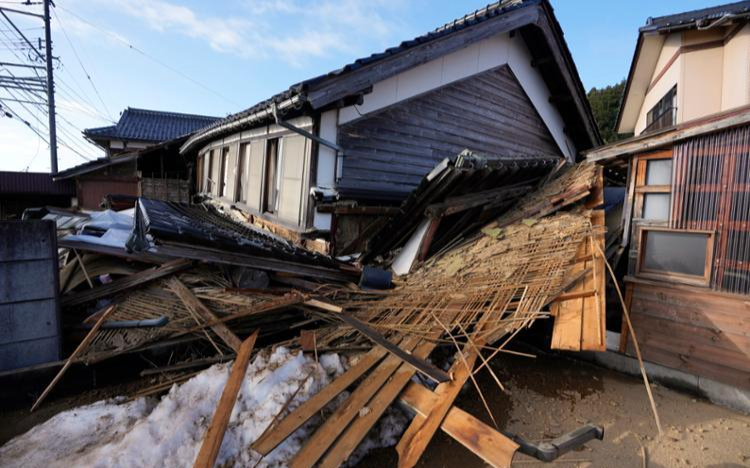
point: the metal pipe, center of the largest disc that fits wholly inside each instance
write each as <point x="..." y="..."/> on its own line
<point x="303" y="132"/>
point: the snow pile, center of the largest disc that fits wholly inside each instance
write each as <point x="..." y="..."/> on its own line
<point x="169" y="433"/>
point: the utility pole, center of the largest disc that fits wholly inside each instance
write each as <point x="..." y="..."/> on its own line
<point x="50" y="90"/>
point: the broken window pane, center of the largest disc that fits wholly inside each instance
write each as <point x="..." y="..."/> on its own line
<point x="656" y="206"/>
<point x="675" y="252"/>
<point x="659" y="172"/>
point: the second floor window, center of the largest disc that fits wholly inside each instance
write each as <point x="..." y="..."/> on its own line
<point x="664" y="113"/>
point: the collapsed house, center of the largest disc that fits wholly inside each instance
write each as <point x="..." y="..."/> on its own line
<point x="334" y="155"/>
<point x="140" y="159"/>
<point x="685" y="237"/>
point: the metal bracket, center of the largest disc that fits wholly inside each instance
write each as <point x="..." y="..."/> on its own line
<point x="552" y="449"/>
<point x="302" y="132"/>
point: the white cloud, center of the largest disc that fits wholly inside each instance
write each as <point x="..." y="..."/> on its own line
<point x="292" y="30"/>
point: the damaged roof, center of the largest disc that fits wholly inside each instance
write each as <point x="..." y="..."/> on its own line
<point x="150" y="125"/>
<point x="312" y="94"/>
<point x="696" y="18"/>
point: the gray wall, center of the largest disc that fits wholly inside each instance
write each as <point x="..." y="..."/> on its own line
<point x="29" y="317"/>
<point x="389" y="151"/>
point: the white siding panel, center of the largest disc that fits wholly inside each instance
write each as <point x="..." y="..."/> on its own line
<point x="293" y="150"/>
<point x="255" y="173"/>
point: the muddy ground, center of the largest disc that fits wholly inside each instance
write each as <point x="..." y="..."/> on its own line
<point x="552" y="395"/>
<point x="545" y="398"/>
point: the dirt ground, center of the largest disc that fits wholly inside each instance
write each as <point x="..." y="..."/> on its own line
<point x="549" y="396"/>
<point x="545" y="398"/>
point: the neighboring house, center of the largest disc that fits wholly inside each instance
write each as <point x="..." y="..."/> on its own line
<point x="686" y="222"/>
<point x="21" y="190"/>
<point x="500" y="82"/>
<point x="139" y="160"/>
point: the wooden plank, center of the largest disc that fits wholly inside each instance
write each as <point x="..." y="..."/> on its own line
<point x="593" y="333"/>
<point x="317" y="444"/>
<point x="483" y="441"/>
<point x="197" y="307"/>
<point x="79" y="349"/>
<point x="358" y="429"/>
<point x="419" y="433"/>
<point x="419" y="364"/>
<point x="128" y="282"/>
<point x="276" y="435"/>
<point x="566" y="332"/>
<point x="215" y="433"/>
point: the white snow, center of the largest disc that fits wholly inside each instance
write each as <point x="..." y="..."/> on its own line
<point x="169" y="432"/>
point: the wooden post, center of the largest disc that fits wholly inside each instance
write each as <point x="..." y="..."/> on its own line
<point x="215" y="434"/>
<point x="194" y="305"/>
<point x="81" y="347"/>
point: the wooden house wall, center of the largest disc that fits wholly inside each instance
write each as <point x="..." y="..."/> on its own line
<point x="692" y="329"/>
<point x="388" y="152"/>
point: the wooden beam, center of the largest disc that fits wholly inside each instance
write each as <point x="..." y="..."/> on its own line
<point x="328" y="434"/>
<point x="79" y="349"/>
<point x="376" y="406"/>
<point x="419" y="433"/>
<point x="128" y="282"/>
<point x="195" y="306"/>
<point x="275" y="435"/>
<point x="421" y="365"/>
<point x="494" y="448"/>
<point x="215" y="433"/>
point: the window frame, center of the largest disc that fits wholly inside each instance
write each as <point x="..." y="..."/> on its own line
<point x="673" y="277"/>
<point x="650" y="120"/>
<point x="271" y="182"/>
<point x="641" y="189"/>
<point x="242" y="172"/>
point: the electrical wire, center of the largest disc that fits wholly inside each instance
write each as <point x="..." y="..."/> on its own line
<point x="151" y="57"/>
<point x="80" y="62"/>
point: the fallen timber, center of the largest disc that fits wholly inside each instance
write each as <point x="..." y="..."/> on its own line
<point x="482" y="288"/>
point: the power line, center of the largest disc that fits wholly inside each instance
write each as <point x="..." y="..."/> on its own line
<point x="80" y="62"/>
<point x="151" y="57"/>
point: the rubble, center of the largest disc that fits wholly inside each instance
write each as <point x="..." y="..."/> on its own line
<point x="506" y="244"/>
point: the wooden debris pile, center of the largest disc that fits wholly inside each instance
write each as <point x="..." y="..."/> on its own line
<point x="495" y="267"/>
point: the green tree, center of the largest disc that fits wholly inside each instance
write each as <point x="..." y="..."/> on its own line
<point x="605" y="104"/>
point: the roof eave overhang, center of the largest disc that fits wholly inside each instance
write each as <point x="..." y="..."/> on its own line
<point x="325" y="93"/>
<point x="651" y="141"/>
<point x="649" y="44"/>
<point x="84" y="169"/>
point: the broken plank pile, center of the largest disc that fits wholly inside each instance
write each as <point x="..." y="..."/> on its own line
<point x="509" y="256"/>
<point x="475" y="297"/>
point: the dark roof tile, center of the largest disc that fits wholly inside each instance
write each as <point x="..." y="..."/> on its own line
<point x="150" y="125"/>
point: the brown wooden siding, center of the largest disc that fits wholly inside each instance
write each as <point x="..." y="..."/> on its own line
<point x="388" y="152"/>
<point x="711" y="186"/>
<point x="693" y="329"/>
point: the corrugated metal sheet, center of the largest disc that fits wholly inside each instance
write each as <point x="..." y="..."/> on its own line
<point x="34" y="183"/>
<point x="711" y="191"/>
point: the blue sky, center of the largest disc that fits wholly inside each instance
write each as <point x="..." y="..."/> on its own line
<point x="242" y="51"/>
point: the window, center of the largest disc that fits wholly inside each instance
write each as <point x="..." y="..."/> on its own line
<point x="654" y="187"/>
<point x="224" y="172"/>
<point x="199" y="174"/>
<point x="240" y="192"/>
<point x="664" y="113"/>
<point x="271" y="177"/>
<point x="674" y="255"/>
<point x="211" y="176"/>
